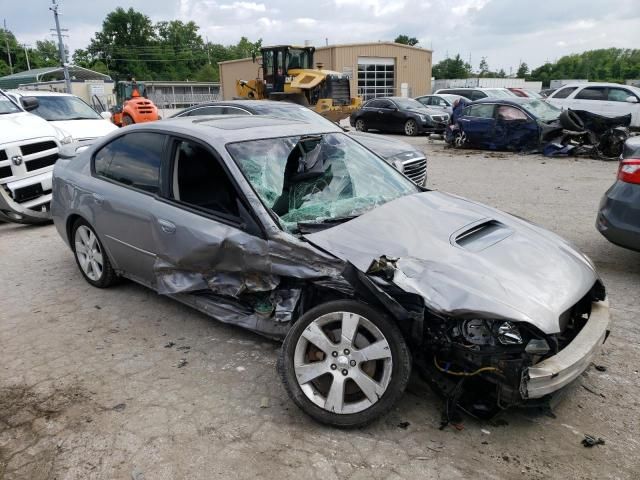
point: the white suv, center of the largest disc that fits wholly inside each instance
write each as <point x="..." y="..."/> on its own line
<point x="29" y="147"/>
<point x="608" y="99"/>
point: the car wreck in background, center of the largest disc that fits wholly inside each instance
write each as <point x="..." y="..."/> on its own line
<point x="532" y="125"/>
<point x="298" y="232"/>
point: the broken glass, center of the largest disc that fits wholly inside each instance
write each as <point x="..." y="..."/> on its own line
<point x="319" y="178"/>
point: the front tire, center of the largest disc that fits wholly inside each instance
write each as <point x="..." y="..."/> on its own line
<point x="127" y="120"/>
<point x="411" y="128"/>
<point x="344" y="363"/>
<point x="360" y="125"/>
<point x="91" y="257"/>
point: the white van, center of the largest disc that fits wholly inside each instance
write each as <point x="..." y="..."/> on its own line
<point x="608" y="99"/>
<point x="29" y="147"/>
<point x="68" y="113"/>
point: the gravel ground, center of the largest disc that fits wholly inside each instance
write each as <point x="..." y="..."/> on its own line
<point x="89" y="388"/>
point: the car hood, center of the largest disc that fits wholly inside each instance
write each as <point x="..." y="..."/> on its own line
<point x="24" y="126"/>
<point x="467" y="260"/>
<point x="85" y="129"/>
<point x="425" y="111"/>
<point x="383" y="146"/>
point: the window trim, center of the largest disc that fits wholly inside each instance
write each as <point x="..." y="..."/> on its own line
<point x="522" y="110"/>
<point x="238" y="222"/>
<point x="94" y="174"/>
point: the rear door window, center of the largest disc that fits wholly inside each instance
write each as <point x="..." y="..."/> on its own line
<point x="592" y="93"/>
<point x="564" y="92"/>
<point x="219" y="110"/>
<point x="483" y="110"/>
<point x="506" y="112"/>
<point x="132" y="160"/>
<point x="619" y="94"/>
<point x="477" y="95"/>
<point x="374" y="104"/>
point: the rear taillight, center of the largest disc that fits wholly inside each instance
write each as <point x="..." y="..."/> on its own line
<point x="629" y="170"/>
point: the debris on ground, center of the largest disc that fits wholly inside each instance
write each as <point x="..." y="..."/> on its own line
<point x="169" y="345"/>
<point x="590" y="441"/>
<point x="404" y="425"/>
<point x="591" y="390"/>
<point x="184" y="348"/>
<point x="264" y="402"/>
<point x="119" y="407"/>
<point x="486" y="432"/>
<point x="600" y="368"/>
<point x="183" y="363"/>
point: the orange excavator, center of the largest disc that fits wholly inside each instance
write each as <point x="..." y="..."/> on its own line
<point x="132" y="106"/>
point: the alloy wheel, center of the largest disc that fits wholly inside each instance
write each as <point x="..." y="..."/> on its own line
<point x="342" y="362"/>
<point x="89" y="253"/>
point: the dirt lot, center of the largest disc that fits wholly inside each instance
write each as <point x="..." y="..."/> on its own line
<point x="89" y="389"/>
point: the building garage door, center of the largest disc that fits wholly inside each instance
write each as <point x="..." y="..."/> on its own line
<point x="376" y="77"/>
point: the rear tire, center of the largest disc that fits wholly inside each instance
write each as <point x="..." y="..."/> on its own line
<point x="410" y="128"/>
<point x="127" y="120"/>
<point x="344" y="363"/>
<point x="91" y="256"/>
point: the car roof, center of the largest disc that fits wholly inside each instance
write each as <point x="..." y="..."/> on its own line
<point x="38" y="93"/>
<point x="597" y="84"/>
<point x="223" y="129"/>
<point x="251" y="105"/>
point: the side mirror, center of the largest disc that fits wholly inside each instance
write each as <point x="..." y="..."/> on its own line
<point x="106" y="115"/>
<point x="29" y="103"/>
<point x="631" y="99"/>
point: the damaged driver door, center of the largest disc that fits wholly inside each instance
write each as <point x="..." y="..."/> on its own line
<point x="203" y="227"/>
<point x="478" y="123"/>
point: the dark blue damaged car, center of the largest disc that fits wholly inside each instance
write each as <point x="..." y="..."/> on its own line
<point x="502" y="124"/>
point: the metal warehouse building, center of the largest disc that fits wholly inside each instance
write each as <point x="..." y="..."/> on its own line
<point x="376" y="69"/>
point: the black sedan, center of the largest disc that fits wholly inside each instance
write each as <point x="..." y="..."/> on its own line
<point x="619" y="215"/>
<point x="404" y="157"/>
<point x="398" y="114"/>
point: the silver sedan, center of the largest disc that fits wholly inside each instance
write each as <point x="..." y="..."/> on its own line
<point x="300" y="233"/>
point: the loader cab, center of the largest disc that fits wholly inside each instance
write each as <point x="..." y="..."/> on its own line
<point x="277" y="62"/>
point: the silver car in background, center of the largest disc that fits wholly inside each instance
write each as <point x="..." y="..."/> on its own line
<point x="299" y="233"/>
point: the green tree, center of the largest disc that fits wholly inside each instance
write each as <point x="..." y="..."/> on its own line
<point x="483" y="67"/>
<point x="501" y="73"/>
<point x="451" y="68"/>
<point x="406" y="40"/>
<point x="523" y="70"/>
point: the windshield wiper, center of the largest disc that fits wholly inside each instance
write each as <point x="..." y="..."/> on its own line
<point x="81" y="118"/>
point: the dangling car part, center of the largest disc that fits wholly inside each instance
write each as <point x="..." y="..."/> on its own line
<point x="299" y="233"/>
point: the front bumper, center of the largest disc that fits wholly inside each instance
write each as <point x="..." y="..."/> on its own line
<point x="32" y="211"/>
<point x="558" y="371"/>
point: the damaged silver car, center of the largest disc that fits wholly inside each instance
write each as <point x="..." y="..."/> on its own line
<point x="298" y="232"/>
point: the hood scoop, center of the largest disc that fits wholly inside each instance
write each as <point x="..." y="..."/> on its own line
<point x="480" y="235"/>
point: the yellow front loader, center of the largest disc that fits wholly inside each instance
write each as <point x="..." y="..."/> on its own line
<point x="288" y="74"/>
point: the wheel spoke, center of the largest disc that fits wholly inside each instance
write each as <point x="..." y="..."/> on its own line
<point x="372" y="389"/>
<point x="92" y="240"/>
<point x="84" y="236"/>
<point x="335" y="397"/>
<point x="375" y="351"/>
<point x="97" y="270"/>
<point x="97" y="256"/>
<point x="80" y="248"/>
<point x="310" y="371"/>
<point x="84" y="262"/>
<point x="349" y="326"/>
<point x="314" y="334"/>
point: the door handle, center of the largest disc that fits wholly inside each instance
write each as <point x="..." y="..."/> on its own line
<point x="167" y="226"/>
<point x="97" y="198"/>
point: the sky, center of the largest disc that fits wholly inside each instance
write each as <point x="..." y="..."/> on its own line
<point x="504" y="31"/>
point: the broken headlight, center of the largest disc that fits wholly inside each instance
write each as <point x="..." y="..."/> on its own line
<point x="508" y="334"/>
<point x="479" y="331"/>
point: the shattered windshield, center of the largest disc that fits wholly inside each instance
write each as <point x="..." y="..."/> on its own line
<point x="542" y="110"/>
<point x="320" y="179"/>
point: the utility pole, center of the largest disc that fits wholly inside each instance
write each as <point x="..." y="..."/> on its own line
<point x="63" y="55"/>
<point x="26" y="54"/>
<point x="6" y="42"/>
